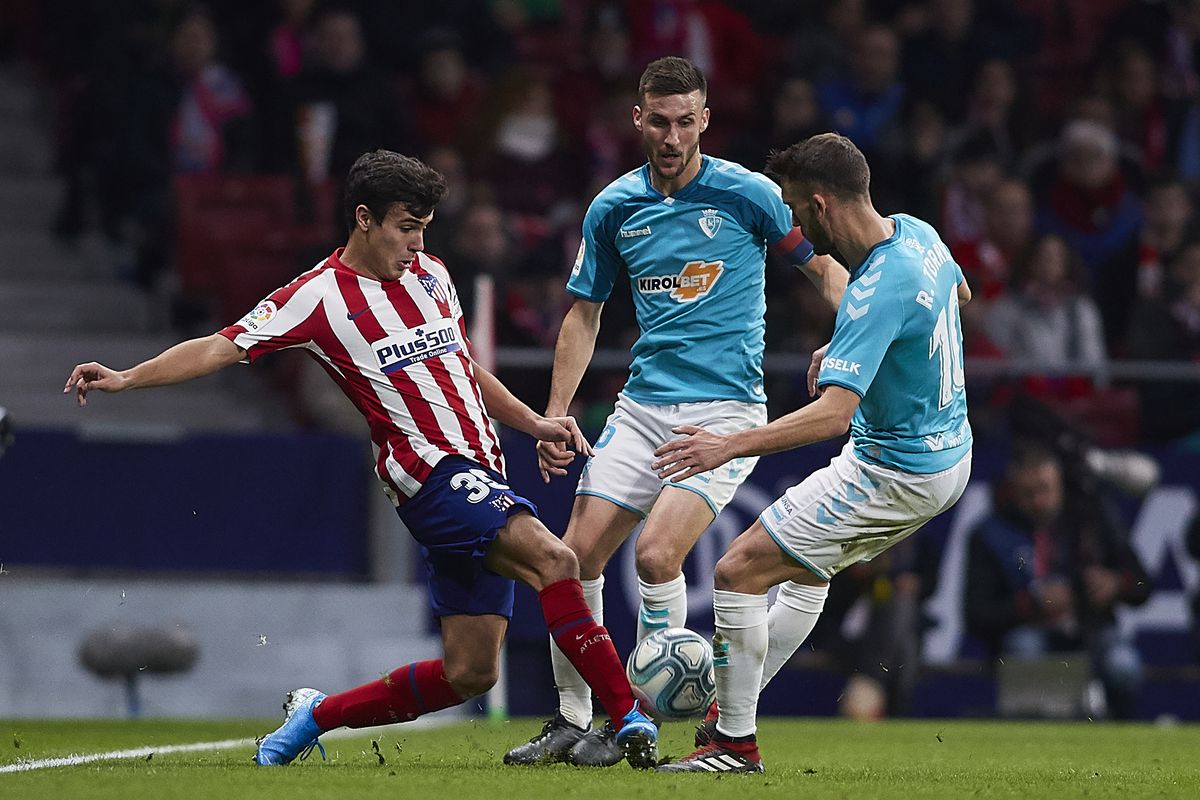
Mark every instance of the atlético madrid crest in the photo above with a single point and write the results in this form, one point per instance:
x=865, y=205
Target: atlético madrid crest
x=710, y=222
x=434, y=288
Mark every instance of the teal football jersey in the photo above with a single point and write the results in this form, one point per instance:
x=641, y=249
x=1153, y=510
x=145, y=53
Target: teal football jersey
x=696, y=262
x=897, y=343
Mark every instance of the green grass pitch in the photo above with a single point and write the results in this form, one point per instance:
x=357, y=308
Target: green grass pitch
x=805, y=758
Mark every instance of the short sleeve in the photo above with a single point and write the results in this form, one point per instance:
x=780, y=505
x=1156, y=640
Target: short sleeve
x=864, y=331
x=598, y=262
x=278, y=322
x=776, y=218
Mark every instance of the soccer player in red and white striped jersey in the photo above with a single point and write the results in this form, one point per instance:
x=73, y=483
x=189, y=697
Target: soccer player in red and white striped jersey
x=384, y=320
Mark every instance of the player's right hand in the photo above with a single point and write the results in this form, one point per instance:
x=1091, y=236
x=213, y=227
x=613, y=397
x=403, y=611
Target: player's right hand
x=814, y=370
x=94, y=376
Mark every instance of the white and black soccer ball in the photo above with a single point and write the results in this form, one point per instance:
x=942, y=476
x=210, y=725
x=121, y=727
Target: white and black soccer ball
x=671, y=672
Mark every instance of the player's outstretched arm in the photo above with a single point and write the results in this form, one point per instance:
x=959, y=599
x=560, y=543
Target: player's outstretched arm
x=828, y=276
x=561, y=431
x=700, y=451
x=194, y=358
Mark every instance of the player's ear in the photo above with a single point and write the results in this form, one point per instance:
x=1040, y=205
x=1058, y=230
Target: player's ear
x=704, y=119
x=818, y=203
x=637, y=118
x=362, y=217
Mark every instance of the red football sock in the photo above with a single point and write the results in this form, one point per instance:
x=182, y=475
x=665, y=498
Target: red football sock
x=587, y=646
x=401, y=696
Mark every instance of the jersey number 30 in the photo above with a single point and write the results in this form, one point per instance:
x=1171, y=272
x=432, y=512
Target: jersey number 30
x=946, y=343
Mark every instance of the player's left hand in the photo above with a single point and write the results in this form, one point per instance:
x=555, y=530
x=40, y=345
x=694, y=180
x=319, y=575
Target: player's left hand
x=552, y=433
x=700, y=451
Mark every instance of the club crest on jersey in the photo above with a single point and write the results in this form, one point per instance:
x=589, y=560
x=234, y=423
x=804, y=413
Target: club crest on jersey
x=434, y=288
x=263, y=313
x=696, y=279
x=414, y=346
x=710, y=222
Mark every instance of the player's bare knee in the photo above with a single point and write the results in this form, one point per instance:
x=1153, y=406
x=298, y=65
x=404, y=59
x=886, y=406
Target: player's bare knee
x=471, y=680
x=557, y=563
x=730, y=573
x=656, y=564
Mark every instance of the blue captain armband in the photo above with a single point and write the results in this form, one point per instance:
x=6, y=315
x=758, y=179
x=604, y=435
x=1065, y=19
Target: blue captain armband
x=795, y=248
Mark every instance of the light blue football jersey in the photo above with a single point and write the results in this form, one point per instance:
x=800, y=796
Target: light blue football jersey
x=696, y=262
x=897, y=343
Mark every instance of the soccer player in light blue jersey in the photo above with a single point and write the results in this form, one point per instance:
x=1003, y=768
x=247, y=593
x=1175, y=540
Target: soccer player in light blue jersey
x=691, y=232
x=893, y=375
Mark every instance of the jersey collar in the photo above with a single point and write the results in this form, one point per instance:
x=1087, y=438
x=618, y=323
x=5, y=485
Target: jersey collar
x=857, y=272
x=705, y=164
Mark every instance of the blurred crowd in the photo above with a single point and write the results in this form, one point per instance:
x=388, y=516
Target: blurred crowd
x=1055, y=145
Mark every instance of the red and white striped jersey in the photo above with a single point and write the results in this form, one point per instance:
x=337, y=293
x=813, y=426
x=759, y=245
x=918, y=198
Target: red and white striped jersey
x=399, y=351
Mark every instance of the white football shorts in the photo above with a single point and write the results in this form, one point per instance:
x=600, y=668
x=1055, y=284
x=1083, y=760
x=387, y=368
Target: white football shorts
x=852, y=510
x=620, y=470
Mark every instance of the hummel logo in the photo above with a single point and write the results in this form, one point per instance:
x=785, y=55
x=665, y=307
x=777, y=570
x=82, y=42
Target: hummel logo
x=357, y=314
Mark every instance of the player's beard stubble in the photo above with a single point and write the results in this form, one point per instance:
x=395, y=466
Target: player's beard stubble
x=678, y=165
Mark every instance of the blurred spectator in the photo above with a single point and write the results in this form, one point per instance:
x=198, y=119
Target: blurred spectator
x=520, y=149
x=450, y=163
x=714, y=36
x=595, y=74
x=794, y=116
x=1046, y=572
x=941, y=62
x=207, y=130
x=866, y=105
x=1067, y=35
x=819, y=49
x=975, y=170
x=989, y=262
x=613, y=144
x=1167, y=327
x=1137, y=272
x=483, y=244
x=447, y=90
x=1143, y=117
x=343, y=107
x=1089, y=200
x=533, y=300
x=1046, y=318
x=289, y=39
x=996, y=105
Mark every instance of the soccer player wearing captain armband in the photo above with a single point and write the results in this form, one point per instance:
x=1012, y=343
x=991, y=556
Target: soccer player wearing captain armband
x=384, y=320
x=691, y=233
x=893, y=375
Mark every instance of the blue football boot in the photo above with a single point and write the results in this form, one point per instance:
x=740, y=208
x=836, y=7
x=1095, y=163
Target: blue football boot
x=638, y=739
x=297, y=736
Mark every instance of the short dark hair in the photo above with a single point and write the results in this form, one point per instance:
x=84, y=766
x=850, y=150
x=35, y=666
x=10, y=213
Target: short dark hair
x=828, y=161
x=671, y=75
x=382, y=178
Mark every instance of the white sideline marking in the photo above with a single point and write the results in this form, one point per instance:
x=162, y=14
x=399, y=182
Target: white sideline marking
x=433, y=721
x=139, y=752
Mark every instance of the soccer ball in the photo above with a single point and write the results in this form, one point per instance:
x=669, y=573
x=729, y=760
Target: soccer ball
x=671, y=672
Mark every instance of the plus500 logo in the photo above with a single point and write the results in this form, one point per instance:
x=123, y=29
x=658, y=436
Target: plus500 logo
x=411, y=347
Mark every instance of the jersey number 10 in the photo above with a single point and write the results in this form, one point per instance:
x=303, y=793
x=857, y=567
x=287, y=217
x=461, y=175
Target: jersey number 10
x=946, y=342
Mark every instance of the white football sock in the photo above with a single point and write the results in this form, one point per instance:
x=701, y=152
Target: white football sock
x=574, y=695
x=739, y=647
x=664, y=605
x=790, y=620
